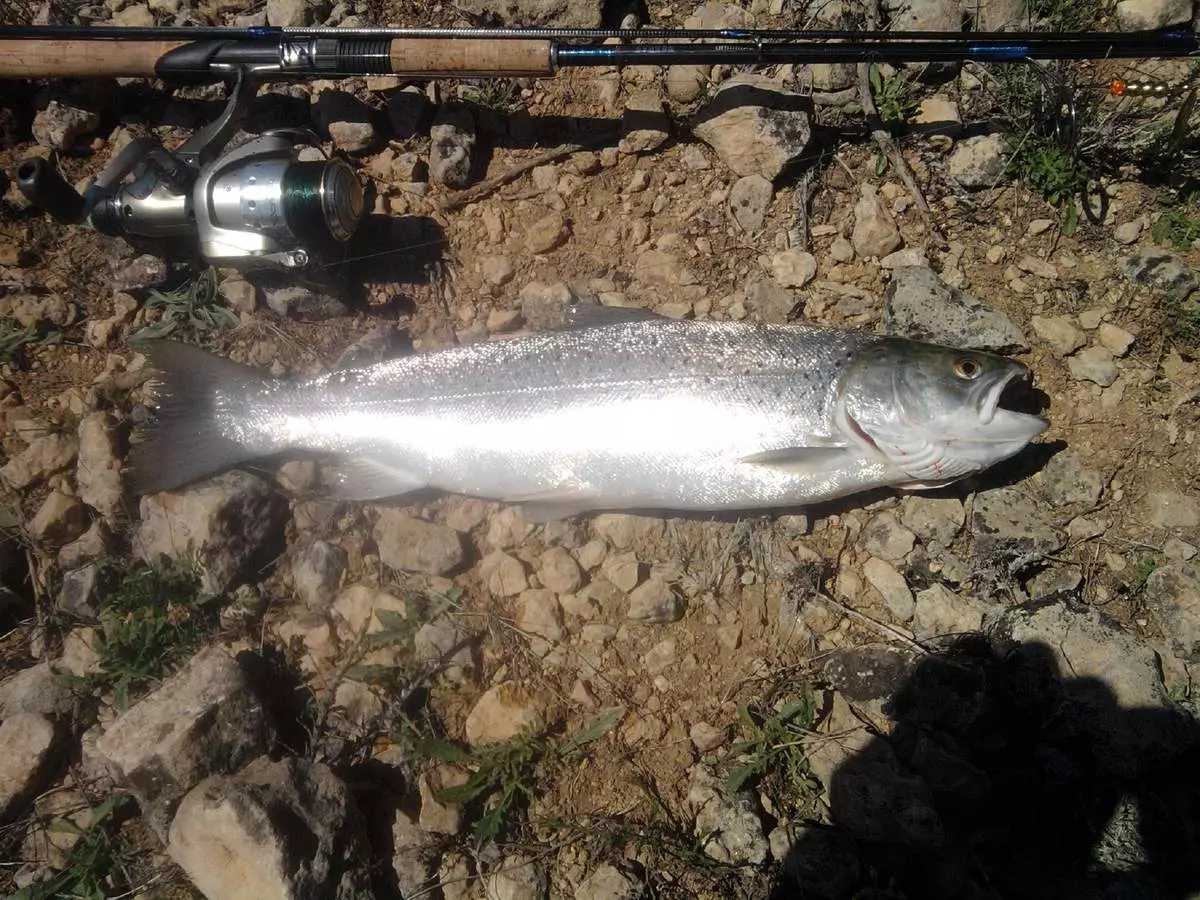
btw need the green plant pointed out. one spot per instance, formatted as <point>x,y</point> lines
<point>503,775</point>
<point>499,94</point>
<point>772,747</point>
<point>1180,224</point>
<point>13,336</point>
<point>193,307</point>
<point>96,862</point>
<point>1068,15</point>
<point>1053,171</point>
<point>893,95</point>
<point>151,619</point>
<point>1144,568</point>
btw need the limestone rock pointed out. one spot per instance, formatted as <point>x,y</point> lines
<point>41,459</point>
<point>919,305</point>
<point>203,721</point>
<point>749,200</point>
<point>59,124</point>
<point>1123,675</point>
<point>287,829</point>
<point>644,123</point>
<point>978,162</point>
<point>1139,15</point>
<point>414,545</point>
<point>230,525</point>
<point>317,573</point>
<point>756,127</point>
<point>26,759</point>
<point>98,473</point>
<point>729,821</point>
<point>541,13</point>
<point>452,147</point>
<point>875,232</point>
<point>59,520</point>
<point>347,120</point>
<point>500,714</point>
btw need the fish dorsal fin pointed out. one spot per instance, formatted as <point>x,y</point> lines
<point>593,315</point>
<point>800,460</point>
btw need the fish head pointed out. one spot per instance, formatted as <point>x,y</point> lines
<point>935,413</point>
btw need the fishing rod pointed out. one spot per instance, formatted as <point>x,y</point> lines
<point>260,206</point>
<point>197,53</point>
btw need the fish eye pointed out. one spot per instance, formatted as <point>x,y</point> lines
<point>968,368</point>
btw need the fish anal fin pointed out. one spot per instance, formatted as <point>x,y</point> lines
<point>366,478</point>
<point>799,459</point>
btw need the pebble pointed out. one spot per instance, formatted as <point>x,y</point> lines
<point>1172,594</point>
<point>347,120</point>
<point>909,256</point>
<point>42,458</point>
<point>204,720</point>
<point>27,743</point>
<point>1168,272</point>
<point>275,829</point>
<point>1094,364</point>
<point>1069,481</point>
<point>501,713</point>
<point>59,124</point>
<point>886,538</point>
<point>544,304</point>
<point>98,473</point>
<point>539,614</point>
<point>622,570</point>
<point>655,603</point>
<point>686,83</point>
<point>1149,15</point>
<point>547,233</point>
<point>436,816</point>
<point>515,877</point>
<point>749,199</point>
<point>793,268</point>
<point>645,124</point>
<point>891,586</point>
<point>1059,333</point>
<point>1171,509</point>
<point>607,882</point>
<point>727,821</point>
<point>414,545</point>
<point>918,304</point>
<point>938,611</point>
<point>875,232</point>
<point>317,574</point>
<point>452,146</point>
<point>662,267</point>
<point>755,127</point>
<point>1036,227</point>
<point>1038,267</point>
<point>559,572</point>
<point>293,13</point>
<point>978,162</point>
<point>706,738</point>
<point>59,520</point>
<point>504,575</point>
<point>1128,232</point>
<point>841,250</point>
<point>497,271</point>
<point>1116,340</point>
<point>1006,522</point>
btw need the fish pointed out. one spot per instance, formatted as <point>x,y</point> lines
<point>616,410</point>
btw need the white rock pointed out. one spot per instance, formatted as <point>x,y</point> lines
<point>539,614</point>
<point>655,603</point>
<point>1128,232</point>
<point>939,611</point>
<point>754,126</point>
<point>41,459</point>
<point>979,162</point>
<point>646,126</point>
<point>98,473</point>
<point>284,13</point>
<point>225,524</point>
<point>875,232</point>
<point>891,586</point>
<point>504,575</point>
<point>436,816</point>
<point>202,721</point>
<point>503,712</point>
<point>608,882</point>
<point>1093,364</point>
<point>26,755</point>
<point>414,545</point>
<point>728,821</point>
<point>1141,15</point>
<point>515,877</point>
<point>1059,332</point>
<point>317,573</point>
<point>1116,340</point>
<point>59,520</point>
<point>274,830</point>
<point>749,200</point>
<point>58,125</point>
<point>793,268</point>
<point>559,572</point>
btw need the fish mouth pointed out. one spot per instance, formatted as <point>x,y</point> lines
<point>1000,405</point>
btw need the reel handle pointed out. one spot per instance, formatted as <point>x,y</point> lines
<point>45,188</point>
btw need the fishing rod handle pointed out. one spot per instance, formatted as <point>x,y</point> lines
<point>82,59</point>
<point>311,57</point>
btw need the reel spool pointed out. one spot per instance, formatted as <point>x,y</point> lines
<point>257,206</point>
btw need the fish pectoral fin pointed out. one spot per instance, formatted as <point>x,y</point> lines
<point>593,315</point>
<point>561,502</point>
<point>800,459</point>
<point>366,478</point>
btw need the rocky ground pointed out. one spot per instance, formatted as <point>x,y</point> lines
<point>247,688</point>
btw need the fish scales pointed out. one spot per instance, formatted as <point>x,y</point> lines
<point>652,413</point>
<point>645,413</point>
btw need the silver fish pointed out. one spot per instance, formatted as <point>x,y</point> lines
<point>624,411</point>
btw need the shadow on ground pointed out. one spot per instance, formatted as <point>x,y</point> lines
<point>1006,778</point>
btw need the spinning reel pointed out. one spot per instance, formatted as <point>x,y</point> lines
<point>257,206</point>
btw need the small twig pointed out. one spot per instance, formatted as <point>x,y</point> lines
<point>477,192</point>
<point>888,630</point>
<point>883,139</point>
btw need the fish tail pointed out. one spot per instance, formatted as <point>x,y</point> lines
<point>185,440</point>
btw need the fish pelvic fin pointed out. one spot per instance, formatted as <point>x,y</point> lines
<point>184,442</point>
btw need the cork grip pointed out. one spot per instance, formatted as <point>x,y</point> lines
<point>81,59</point>
<point>455,56</point>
